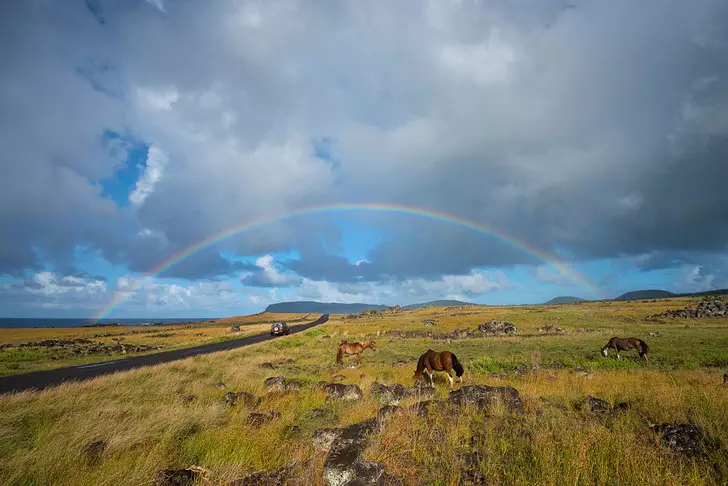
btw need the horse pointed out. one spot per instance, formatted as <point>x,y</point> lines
<point>625,344</point>
<point>353,348</point>
<point>444,361</point>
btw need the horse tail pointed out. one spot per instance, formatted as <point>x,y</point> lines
<point>340,355</point>
<point>457,366</point>
<point>644,347</point>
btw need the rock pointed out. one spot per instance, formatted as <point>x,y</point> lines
<point>318,414</point>
<point>94,451</point>
<point>497,327</point>
<point>174,477</point>
<point>343,465</point>
<point>428,322</point>
<point>622,407</point>
<point>337,378</point>
<point>275,384</point>
<point>390,395</point>
<point>423,407</point>
<point>256,419</point>
<point>326,336</point>
<point>551,328</point>
<point>591,330</point>
<point>343,392</point>
<point>266,478</point>
<point>725,378</point>
<point>654,334</point>
<point>388,411</point>
<point>267,365</point>
<point>187,399</point>
<point>593,404</point>
<point>707,308</point>
<point>294,385</point>
<point>248,400</point>
<point>235,328</point>
<point>220,385</point>
<point>484,397</point>
<point>684,438</point>
<point>423,390</point>
<point>323,438</point>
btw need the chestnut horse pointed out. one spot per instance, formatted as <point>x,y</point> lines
<point>434,361</point>
<point>625,344</point>
<point>353,348</point>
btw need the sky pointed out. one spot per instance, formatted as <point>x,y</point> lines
<point>566,148</point>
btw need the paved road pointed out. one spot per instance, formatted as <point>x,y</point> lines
<point>43,379</point>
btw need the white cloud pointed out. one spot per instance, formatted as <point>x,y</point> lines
<point>157,161</point>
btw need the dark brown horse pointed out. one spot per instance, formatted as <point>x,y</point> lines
<point>434,361</point>
<point>353,348</point>
<point>625,344</point>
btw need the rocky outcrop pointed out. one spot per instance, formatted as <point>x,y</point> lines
<point>235,328</point>
<point>275,384</point>
<point>257,419</point>
<point>705,309</point>
<point>685,438</point>
<point>267,478</point>
<point>339,391</point>
<point>247,399</point>
<point>497,327</point>
<point>485,397</point>
<point>389,395</point>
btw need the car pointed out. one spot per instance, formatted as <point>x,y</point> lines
<point>279,329</point>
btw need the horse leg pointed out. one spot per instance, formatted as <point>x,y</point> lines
<point>358,359</point>
<point>449,377</point>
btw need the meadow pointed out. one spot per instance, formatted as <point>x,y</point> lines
<point>174,415</point>
<point>22,350</point>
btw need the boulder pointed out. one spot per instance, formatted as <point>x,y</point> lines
<point>247,399</point>
<point>257,419</point>
<point>654,334</point>
<point>174,477</point>
<point>497,327</point>
<point>390,395</point>
<point>266,365</point>
<point>342,392</point>
<point>593,404</point>
<point>275,384</point>
<point>343,465</point>
<point>388,411</point>
<point>94,451</point>
<point>485,397</point>
<point>267,478</point>
<point>323,438</point>
<point>294,385</point>
<point>429,322</point>
<point>684,438</point>
<point>235,328</point>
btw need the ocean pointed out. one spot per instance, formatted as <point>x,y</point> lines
<point>12,322</point>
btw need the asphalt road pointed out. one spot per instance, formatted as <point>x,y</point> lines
<point>44,379</point>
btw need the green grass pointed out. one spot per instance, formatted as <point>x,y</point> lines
<point>147,428</point>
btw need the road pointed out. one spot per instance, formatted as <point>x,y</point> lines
<point>47,378</point>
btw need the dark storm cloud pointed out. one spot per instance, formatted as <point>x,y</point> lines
<point>590,126</point>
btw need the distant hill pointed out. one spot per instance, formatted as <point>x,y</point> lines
<point>646,294</point>
<point>566,299</point>
<point>307,306</point>
<point>437,303</point>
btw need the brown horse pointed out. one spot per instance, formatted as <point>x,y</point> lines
<point>434,361</point>
<point>353,348</point>
<point>625,344</point>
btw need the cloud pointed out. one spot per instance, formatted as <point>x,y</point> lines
<point>267,275</point>
<point>532,118</point>
<point>153,172</point>
<point>49,290</point>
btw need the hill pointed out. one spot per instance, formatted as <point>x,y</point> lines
<point>646,294</point>
<point>308,306</point>
<point>565,299</point>
<point>437,303</point>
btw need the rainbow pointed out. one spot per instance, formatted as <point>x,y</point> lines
<point>121,296</point>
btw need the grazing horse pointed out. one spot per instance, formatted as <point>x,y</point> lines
<point>444,361</point>
<point>625,344</point>
<point>353,348</point>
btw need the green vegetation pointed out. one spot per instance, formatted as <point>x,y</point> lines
<point>147,427</point>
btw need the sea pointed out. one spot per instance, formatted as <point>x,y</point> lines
<point>12,322</point>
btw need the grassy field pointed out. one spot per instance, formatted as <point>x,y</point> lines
<point>17,357</point>
<point>147,427</point>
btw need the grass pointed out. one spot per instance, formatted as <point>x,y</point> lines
<point>16,360</point>
<point>138,413</point>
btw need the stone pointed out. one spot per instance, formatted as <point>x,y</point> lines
<point>342,465</point>
<point>422,389</point>
<point>593,404</point>
<point>187,399</point>
<point>388,411</point>
<point>390,395</point>
<point>220,385</point>
<point>337,378</point>
<point>622,407</point>
<point>174,477</point>
<point>725,378</point>
<point>684,438</point>
<point>485,397</point>
<point>94,451</point>
<point>267,365</point>
<point>275,384</point>
<point>235,328</point>
<point>257,419</point>
<point>294,385</point>
<point>551,328</point>
<point>654,334</point>
<point>267,478</point>
<point>323,438</point>
<point>343,392</point>
<point>707,308</point>
<point>429,322</point>
<point>423,407</point>
<point>497,327</point>
<point>247,399</point>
